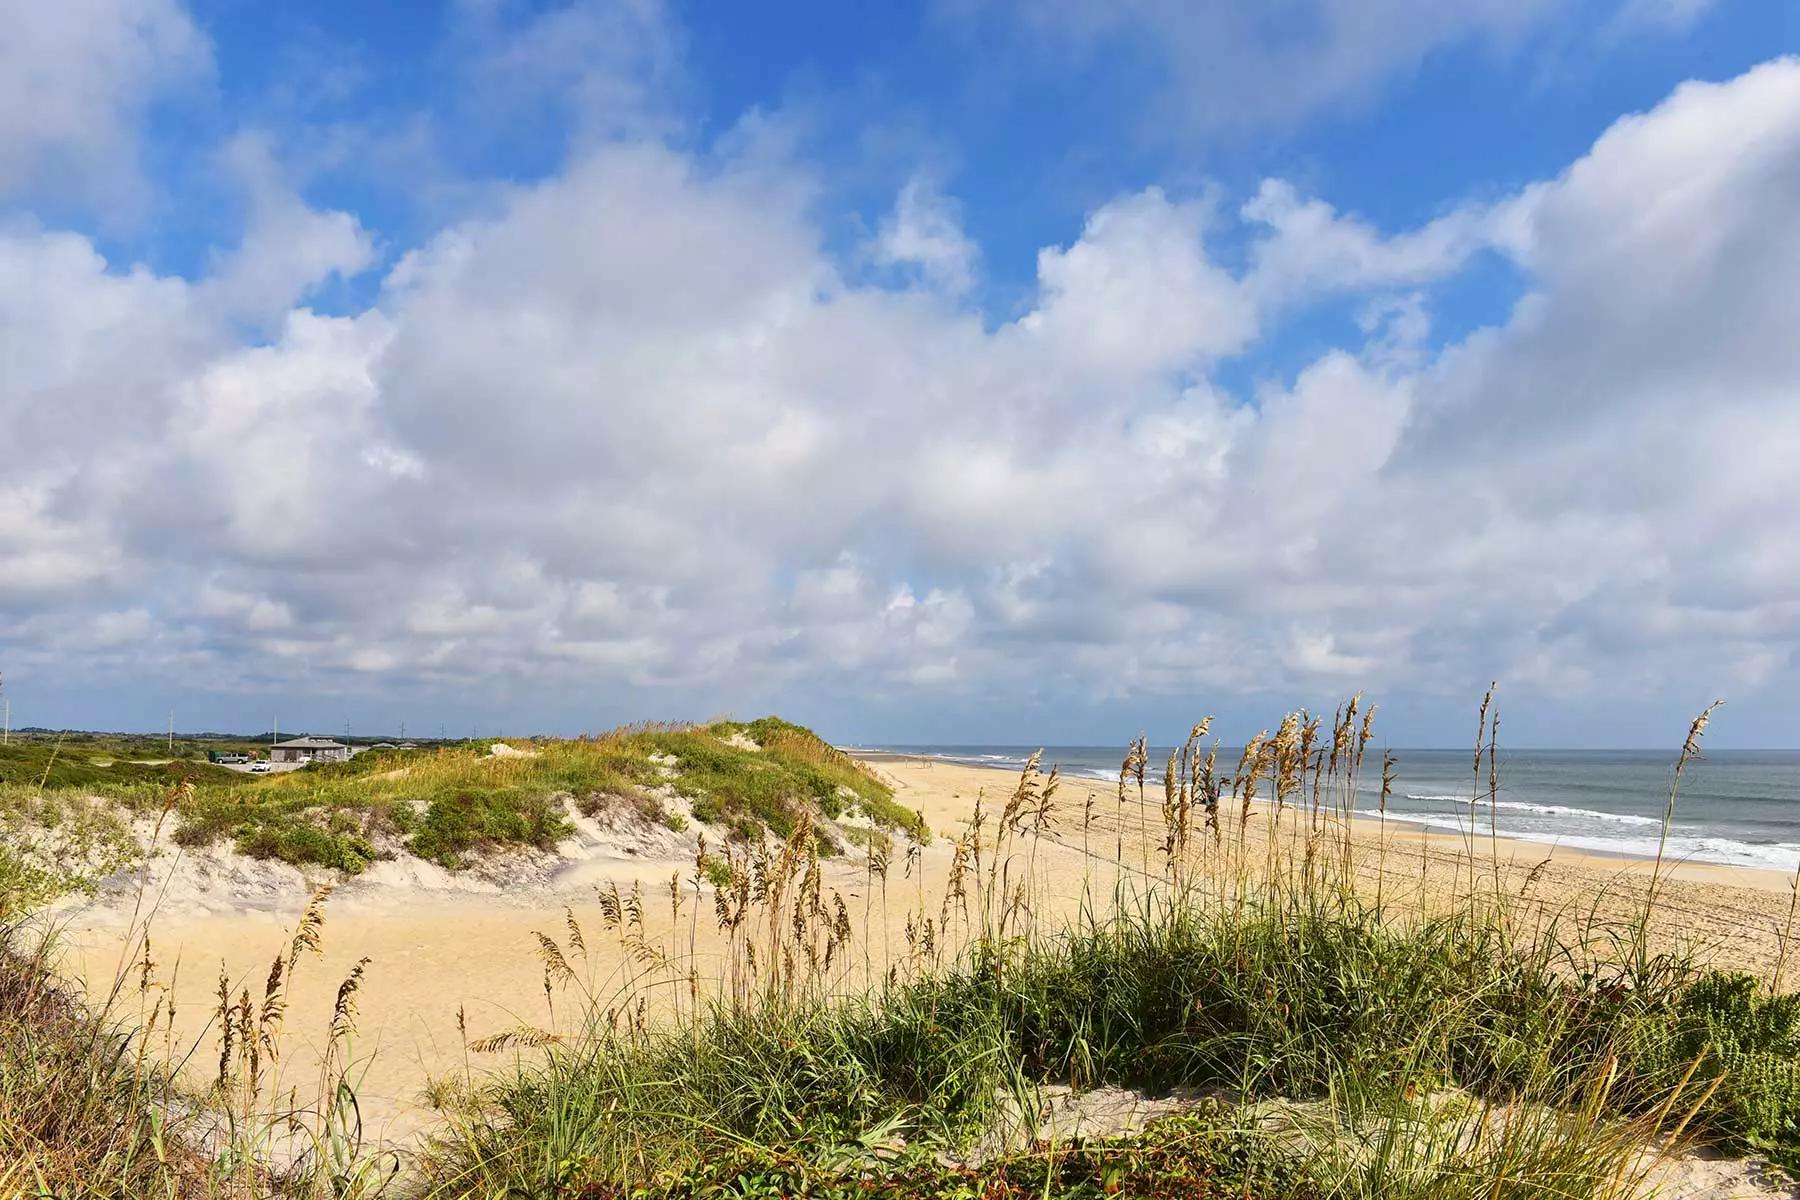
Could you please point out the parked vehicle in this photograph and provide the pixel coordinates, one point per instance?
(259, 767)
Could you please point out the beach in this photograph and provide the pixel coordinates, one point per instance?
(446, 966)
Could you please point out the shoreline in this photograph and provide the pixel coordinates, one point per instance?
(1515, 848)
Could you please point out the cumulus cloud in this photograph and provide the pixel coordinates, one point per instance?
(635, 428)
(73, 77)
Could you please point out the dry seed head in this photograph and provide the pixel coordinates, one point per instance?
(959, 866)
(841, 924)
(227, 1027)
(1044, 806)
(1690, 748)
(1284, 756)
(146, 969)
(272, 1005)
(343, 1011)
(1482, 724)
(640, 948)
(555, 965)
(312, 923)
(576, 941)
(1337, 739)
(634, 906)
(522, 1036)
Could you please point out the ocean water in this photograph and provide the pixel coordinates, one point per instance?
(1735, 807)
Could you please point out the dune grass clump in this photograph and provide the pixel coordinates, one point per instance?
(78, 1114)
(94, 1104)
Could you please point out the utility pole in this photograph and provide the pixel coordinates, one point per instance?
(6, 701)
(171, 731)
(403, 731)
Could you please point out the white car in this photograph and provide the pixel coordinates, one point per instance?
(259, 767)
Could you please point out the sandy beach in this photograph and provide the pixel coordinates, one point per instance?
(448, 965)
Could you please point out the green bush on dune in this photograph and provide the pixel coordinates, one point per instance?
(456, 824)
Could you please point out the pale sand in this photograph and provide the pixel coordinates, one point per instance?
(434, 952)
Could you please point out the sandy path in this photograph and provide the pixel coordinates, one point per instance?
(433, 954)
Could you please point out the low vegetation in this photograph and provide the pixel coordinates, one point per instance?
(1329, 1044)
(449, 802)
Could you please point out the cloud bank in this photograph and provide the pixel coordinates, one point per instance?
(636, 430)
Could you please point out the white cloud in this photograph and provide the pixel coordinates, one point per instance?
(923, 231)
(1137, 294)
(1312, 250)
(73, 76)
(634, 428)
(1227, 65)
(288, 248)
(605, 64)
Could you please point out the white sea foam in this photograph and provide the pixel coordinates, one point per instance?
(1781, 856)
(1546, 810)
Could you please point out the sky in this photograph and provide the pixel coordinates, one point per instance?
(967, 371)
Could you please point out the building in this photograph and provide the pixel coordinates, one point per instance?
(309, 749)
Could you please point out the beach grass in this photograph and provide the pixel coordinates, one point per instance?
(447, 803)
(1322, 1041)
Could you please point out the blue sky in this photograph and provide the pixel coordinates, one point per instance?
(968, 370)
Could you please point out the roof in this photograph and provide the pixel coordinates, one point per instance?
(311, 743)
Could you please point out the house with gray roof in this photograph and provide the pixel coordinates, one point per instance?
(309, 749)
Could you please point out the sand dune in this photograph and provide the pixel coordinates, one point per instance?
(453, 957)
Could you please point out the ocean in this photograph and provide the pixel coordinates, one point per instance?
(1736, 807)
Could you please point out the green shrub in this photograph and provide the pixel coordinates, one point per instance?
(1746, 1040)
(467, 820)
(301, 843)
